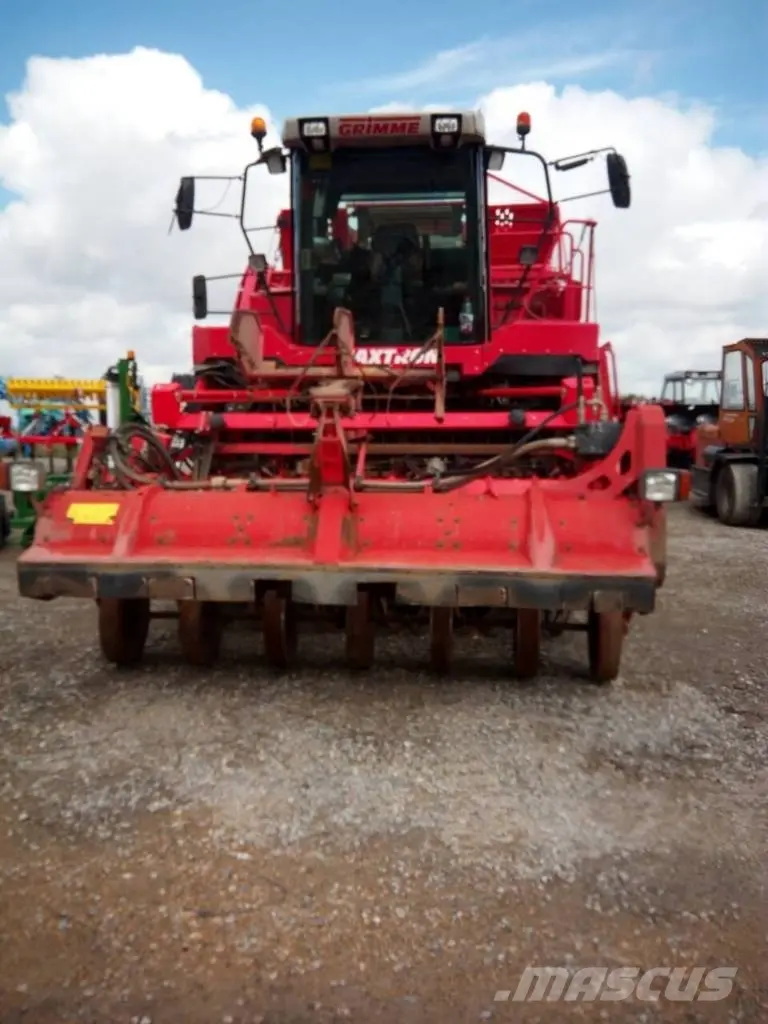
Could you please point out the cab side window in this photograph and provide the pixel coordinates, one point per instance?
(733, 382)
(749, 366)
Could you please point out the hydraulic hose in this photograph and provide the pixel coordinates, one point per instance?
(451, 483)
(157, 459)
(222, 373)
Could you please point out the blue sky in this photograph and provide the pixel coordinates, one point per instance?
(306, 56)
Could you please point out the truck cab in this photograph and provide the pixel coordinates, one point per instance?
(729, 473)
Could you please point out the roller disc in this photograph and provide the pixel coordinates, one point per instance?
(527, 642)
(441, 639)
(279, 625)
(360, 632)
(605, 638)
(123, 629)
(200, 631)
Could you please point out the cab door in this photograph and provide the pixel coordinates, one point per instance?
(736, 419)
(752, 369)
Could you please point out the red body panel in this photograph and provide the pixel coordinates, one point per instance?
(529, 527)
(556, 318)
(505, 534)
(550, 338)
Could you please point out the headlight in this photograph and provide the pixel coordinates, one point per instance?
(314, 129)
(660, 485)
(27, 477)
(678, 424)
(446, 125)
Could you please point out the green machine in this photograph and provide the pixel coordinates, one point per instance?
(30, 479)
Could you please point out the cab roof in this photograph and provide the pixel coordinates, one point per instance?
(322, 132)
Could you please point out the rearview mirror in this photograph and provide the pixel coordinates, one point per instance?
(185, 204)
(200, 297)
(496, 159)
(618, 180)
(274, 160)
(257, 262)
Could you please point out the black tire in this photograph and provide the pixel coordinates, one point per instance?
(736, 495)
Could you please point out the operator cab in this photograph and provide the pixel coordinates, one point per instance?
(387, 220)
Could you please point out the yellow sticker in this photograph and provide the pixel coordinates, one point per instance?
(93, 513)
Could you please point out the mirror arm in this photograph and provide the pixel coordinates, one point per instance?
(584, 195)
(213, 213)
(243, 191)
(542, 161)
(584, 157)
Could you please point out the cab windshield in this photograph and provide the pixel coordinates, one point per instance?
(693, 390)
(392, 236)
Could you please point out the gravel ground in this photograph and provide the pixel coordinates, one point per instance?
(228, 846)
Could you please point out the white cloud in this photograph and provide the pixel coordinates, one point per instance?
(682, 271)
(549, 50)
(476, 65)
(94, 149)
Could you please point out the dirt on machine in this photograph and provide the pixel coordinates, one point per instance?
(409, 415)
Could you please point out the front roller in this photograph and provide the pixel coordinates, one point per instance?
(605, 642)
(531, 549)
(527, 642)
(360, 632)
(123, 629)
(200, 630)
(441, 621)
(279, 628)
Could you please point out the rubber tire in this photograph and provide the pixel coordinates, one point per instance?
(736, 493)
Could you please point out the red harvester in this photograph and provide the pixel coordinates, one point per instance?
(412, 415)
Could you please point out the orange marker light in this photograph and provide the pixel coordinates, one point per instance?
(523, 123)
(258, 127)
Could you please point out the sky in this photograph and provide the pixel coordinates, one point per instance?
(106, 105)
